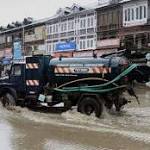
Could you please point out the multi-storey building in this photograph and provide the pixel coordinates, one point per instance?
(109, 23)
(31, 37)
(34, 38)
(6, 43)
(72, 29)
(135, 34)
(78, 31)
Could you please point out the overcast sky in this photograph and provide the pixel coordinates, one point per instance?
(13, 10)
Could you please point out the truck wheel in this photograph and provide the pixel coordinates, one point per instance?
(8, 100)
(90, 105)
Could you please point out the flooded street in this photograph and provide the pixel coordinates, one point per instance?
(23, 129)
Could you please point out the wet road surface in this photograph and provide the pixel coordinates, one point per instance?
(23, 129)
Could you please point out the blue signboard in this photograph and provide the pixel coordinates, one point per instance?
(17, 50)
(66, 46)
(6, 61)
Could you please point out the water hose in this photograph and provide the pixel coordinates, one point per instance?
(102, 88)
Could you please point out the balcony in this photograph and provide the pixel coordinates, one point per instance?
(34, 37)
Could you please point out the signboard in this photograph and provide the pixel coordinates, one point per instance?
(109, 43)
(7, 56)
(6, 61)
(17, 50)
(8, 53)
(83, 54)
(66, 46)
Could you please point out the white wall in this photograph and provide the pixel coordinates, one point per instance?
(77, 24)
(135, 13)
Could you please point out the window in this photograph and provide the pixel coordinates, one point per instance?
(80, 44)
(70, 25)
(50, 29)
(92, 43)
(65, 26)
(88, 43)
(137, 13)
(47, 28)
(56, 27)
(82, 23)
(141, 14)
(126, 15)
(61, 27)
(88, 22)
(84, 46)
(92, 21)
(16, 70)
(144, 11)
(132, 11)
(53, 28)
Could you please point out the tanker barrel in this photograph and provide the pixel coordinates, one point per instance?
(111, 62)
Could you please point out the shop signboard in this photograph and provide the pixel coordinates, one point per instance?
(83, 54)
(7, 56)
(17, 50)
(8, 53)
(109, 43)
(65, 46)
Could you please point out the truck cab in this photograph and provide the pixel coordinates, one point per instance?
(25, 79)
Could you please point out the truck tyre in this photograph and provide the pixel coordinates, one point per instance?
(90, 105)
(8, 100)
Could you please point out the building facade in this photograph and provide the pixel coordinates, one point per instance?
(6, 43)
(78, 31)
(72, 29)
(30, 38)
(135, 33)
(34, 39)
(109, 23)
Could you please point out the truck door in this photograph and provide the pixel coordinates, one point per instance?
(33, 76)
(17, 77)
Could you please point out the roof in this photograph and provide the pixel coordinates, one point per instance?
(36, 22)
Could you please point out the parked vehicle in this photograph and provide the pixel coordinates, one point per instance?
(88, 83)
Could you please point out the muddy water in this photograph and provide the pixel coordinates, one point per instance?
(23, 129)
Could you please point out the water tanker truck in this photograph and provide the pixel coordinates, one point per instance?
(90, 84)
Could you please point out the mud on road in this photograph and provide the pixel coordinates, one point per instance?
(23, 129)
